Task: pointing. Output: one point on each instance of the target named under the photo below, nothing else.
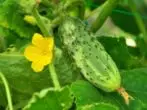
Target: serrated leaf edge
(102, 103)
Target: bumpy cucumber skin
(90, 56)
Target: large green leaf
(138, 77)
(85, 93)
(125, 57)
(51, 99)
(135, 82)
(23, 81)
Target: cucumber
(90, 57)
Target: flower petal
(32, 53)
(47, 59)
(46, 43)
(50, 43)
(37, 66)
(43, 61)
(38, 40)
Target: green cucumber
(89, 55)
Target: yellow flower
(40, 52)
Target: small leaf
(51, 99)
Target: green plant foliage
(117, 47)
(24, 82)
(98, 106)
(12, 17)
(51, 99)
(120, 20)
(82, 74)
(27, 6)
(85, 93)
(137, 86)
(65, 66)
(9, 37)
(134, 88)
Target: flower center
(45, 52)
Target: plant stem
(7, 91)
(93, 12)
(138, 19)
(46, 32)
(54, 76)
(106, 10)
(55, 22)
(40, 23)
(125, 95)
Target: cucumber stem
(40, 23)
(125, 95)
(107, 8)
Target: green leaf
(65, 67)
(135, 82)
(51, 99)
(142, 46)
(8, 37)
(27, 5)
(120, 16)
(85, 93)
(125, 57)
(14, 19)
(138, 77)
(23, 81)
(1, 1)
(3, 101)
(99, 106)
